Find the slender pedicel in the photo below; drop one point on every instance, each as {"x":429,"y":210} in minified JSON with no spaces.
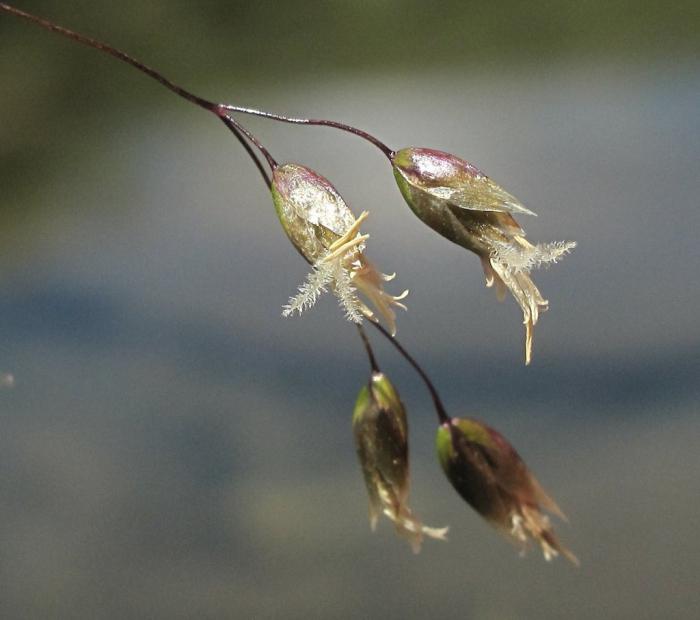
{"x":437,"y":401}
{"x":210,"y":106}
{"x":234,"y":127}
{"x":220,"y":110}
{"x":368,"y":348}
{"x":314,"y":121}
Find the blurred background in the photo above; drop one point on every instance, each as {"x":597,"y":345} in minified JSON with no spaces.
{"x":173,"y":448}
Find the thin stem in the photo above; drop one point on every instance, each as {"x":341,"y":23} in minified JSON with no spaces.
{"x":368,"y":348}
{"x":234,"y":127}
{"x":220,"y":110}
{"x":439,"y":407}
{"x":108,"y":49}
{"x":312,"y":121}
{"x":210,"y":106}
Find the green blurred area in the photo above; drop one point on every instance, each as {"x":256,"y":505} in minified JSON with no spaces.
{"x":232,"y":44}
{"x":281,"y":40}
{"x":226,"y":50}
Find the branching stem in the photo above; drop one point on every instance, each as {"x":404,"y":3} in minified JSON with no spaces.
{"x":210,"y":106}
{"x":239,"y":131}
{"x":221,"y":110}
{"x":437,"y":401}
{"x":313,"y":121}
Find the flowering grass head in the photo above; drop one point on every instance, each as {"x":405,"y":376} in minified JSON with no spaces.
{"x":489,"y":474}
{"x":381,"y":438}
{"x":326,"y":233}
{"x":461,"y":203}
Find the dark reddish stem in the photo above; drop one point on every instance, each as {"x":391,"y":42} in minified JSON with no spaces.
{"x":368,"y":348}
{"x":220,"y":110}
{"x":241,"y":134}
{"x":312,"y":121}
{"x":214,"y":108}
{"x":437,"y":401}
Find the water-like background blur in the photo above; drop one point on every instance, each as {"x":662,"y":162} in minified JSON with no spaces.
{"x":173,"y":448}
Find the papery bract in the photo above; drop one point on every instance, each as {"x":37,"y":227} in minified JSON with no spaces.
{"x":325,"y":232}
{"x":461,"y":203}
{"x":488,"y":473}
{"x":381,"y":438}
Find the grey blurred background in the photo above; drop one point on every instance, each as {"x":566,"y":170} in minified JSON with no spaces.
{"x":173,"y":448}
